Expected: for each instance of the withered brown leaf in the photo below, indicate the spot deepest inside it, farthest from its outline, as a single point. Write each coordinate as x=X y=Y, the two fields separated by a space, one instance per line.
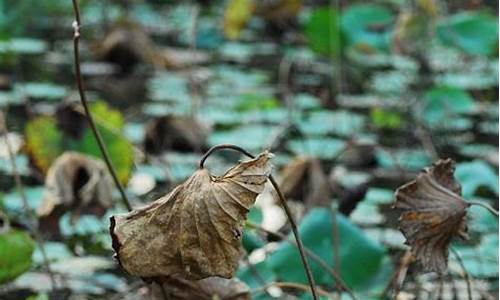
x=303 y=179
x=78 y=183
x=194 y=231
x=433 y=212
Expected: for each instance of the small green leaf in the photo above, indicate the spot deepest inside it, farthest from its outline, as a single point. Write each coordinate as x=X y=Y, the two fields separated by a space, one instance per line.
x=322 y=30
x=386 y=119
x=472 y=32
x=44 y=141
x=16 y=248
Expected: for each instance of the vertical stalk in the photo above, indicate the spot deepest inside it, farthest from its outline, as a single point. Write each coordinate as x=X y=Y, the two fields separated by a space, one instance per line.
x=79 y=81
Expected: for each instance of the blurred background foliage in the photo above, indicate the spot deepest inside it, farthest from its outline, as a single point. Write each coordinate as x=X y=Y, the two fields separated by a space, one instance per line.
x=353 y=97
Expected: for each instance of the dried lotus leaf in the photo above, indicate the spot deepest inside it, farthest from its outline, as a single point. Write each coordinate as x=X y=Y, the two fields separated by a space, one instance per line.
x=78 y=183
x=194 y=231
x=433 y=212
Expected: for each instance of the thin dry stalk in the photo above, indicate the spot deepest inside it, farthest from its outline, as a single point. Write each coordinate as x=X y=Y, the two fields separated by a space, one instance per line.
x=342 y=285
x=484 y=205
x=79 y=81
x=293 y=224
x=31 y=215
x=465 y=272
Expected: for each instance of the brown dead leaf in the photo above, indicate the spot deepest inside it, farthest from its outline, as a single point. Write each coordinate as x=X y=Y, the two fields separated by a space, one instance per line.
x=194 y=231
x=126 y=45
x=433 y=213
x=78 y=183
x=175 y=133
x=303 y=179
x=205 y=289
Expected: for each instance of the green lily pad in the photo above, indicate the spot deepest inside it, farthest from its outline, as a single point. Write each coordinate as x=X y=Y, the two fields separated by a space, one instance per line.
x=386 y=119
x=23 y=46
x=14 y=204
x=16 y=248
x=360 y=256
x=472 y=32
x=445 y=102
x=358 y=21
x=42 y=90
x=341 y=122
x=324 y=148
x=481 y=261
x=411 y=159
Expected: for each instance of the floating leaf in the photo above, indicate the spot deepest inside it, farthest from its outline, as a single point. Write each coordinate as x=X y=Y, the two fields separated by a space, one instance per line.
x=323 y=148
x=475 y=174
x=194 y=231
x=386 y=119
x=473 y=32
x=360 y=256
x=39 y=90
x=442 y=102
x=16 y=248
x=366 y=25
x=480 y=261
x=412 y=159
x=433 y=212
x=23 y=46
x=322 y=30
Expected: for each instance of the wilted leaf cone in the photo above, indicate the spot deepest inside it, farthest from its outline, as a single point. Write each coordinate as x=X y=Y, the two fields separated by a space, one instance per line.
x=195 y=230
x=79 y=183
x=433 y=212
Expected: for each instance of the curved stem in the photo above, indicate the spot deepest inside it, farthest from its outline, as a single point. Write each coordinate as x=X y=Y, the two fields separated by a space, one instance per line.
x=222 y=147
x=79 y=81
x=488 y=207
x=289 y=215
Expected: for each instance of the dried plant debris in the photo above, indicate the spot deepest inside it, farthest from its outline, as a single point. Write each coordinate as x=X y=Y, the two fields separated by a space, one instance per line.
x=303 y=179
x=433 y=212
x=204 y=289
x=78 y=183
x=194 y=231
x=175 y=133
x=126 y=45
